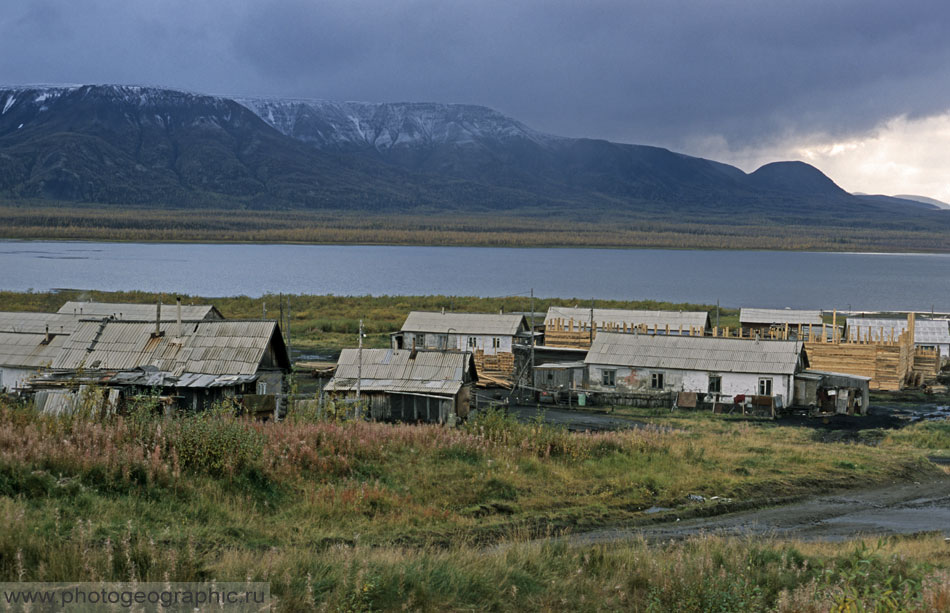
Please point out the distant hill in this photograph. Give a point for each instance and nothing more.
(924, 199)
(119, 145)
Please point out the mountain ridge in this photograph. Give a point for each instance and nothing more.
(121, 144)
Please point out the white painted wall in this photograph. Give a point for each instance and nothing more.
(460, 342)
(629, 379)
(12, 379)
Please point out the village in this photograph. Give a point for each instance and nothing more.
(443, 365)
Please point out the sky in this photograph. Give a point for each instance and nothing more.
(859, 88)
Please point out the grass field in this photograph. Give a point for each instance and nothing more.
(541, 228)
(357, 516)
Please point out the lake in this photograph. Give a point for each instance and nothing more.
(773, 279)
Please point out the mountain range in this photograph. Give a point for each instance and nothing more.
(126, 145)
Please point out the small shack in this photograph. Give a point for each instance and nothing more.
(406, 385)
(777, 323)
(832, 392)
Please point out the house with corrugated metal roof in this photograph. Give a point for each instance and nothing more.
(720, 367)
(490, 337)
(406, 384)
(23, 354)
(140, 312)
(928, 333)
(775, 322)
(190, 363)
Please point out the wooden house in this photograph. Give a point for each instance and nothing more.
(489, 337)
(405, 384)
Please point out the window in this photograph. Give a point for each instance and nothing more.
(420, 340)
(765, 387)
(472, 342)
(495, 342)
(261, 388)
(609, 378)
(656, 381)
(715, 384)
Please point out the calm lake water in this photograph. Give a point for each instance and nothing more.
(736, 278)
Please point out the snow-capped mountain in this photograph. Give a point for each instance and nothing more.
(154, 146)
(384, 126)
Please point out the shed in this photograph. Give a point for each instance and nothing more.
(764, 321)
(406, 385)
(832, 392)
(22, 355)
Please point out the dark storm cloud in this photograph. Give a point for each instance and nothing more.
(656, 72)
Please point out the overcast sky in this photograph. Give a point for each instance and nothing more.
(860, 88)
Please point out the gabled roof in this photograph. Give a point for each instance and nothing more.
(139, 312)
(215, 347)
(37, 323)
(498, 324)
(620, 317)
(926, 331)
(779, 316)
(19, 350)
(695, 353)
(397, 371)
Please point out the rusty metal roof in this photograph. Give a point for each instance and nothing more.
(216, 347)
(498, 324)
(926, 331)
(779, 316)
(702, 353)
(397, 371)
(140, 312)
(620, 317)
(29, 350)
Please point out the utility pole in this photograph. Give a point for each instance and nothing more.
(717, 314)
(359, 370)
(288, 325)
(532, 337)
(592, 321)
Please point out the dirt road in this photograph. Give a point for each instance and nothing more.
(905, 508)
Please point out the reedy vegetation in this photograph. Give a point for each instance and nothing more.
(362, 516)
(527, 228)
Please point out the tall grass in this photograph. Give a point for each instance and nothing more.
(352, 515)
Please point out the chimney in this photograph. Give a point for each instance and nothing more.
(47, 334)
(178, 332)
(158, 319)
(443, 310)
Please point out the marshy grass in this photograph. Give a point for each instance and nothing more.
(361, 516)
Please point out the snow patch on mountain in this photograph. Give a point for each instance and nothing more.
(385, 126)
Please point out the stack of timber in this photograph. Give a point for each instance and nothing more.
(926, 364)
(578, 334)
(498, 369)
(889, 363)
